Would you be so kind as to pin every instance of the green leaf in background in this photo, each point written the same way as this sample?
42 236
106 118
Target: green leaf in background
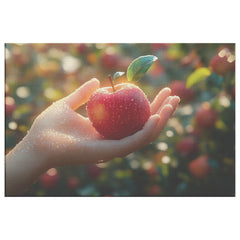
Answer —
139 67
118 75
197 76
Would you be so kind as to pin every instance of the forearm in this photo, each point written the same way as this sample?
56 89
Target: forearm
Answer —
22 167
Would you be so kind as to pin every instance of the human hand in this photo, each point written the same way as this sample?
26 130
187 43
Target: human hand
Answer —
63 137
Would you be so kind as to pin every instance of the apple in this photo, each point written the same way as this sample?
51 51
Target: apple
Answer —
154 190
206 117
223 63
124 62
120 111
82 48
200 167
109 61
158 46
187 146
50 179
10 105
152 171
179 88
73 182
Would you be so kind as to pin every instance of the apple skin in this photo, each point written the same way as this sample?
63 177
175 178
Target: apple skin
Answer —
109 61
200 167
179 89
50 179
206 118
154 190
118 114
82 48
221 66
158 46
187 146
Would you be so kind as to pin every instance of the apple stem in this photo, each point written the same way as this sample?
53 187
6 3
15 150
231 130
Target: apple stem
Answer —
111 81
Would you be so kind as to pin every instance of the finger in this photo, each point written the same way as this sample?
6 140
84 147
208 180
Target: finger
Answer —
166 112
107 149
165 102
174 102
159 99
82 94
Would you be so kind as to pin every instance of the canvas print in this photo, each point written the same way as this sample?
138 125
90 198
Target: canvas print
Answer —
120 119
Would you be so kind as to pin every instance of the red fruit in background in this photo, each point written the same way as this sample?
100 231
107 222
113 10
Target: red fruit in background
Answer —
179 89
154 190
124 62
109 61
118 114
50 179
82 48
152 171
187 146
200 167
223 62
206 117
73 182
159 46
93 170
10 105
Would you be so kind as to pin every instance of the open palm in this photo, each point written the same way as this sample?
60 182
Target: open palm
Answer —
68 138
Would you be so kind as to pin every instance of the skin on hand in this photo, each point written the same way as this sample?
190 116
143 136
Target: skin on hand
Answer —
60 136
64 137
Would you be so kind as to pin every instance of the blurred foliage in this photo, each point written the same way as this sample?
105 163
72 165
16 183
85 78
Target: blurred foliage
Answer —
38 74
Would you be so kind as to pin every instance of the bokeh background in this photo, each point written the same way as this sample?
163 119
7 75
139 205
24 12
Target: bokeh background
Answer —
194 155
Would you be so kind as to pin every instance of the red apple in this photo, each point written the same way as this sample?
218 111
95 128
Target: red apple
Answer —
50 179
187 146
154 190
73 182
206 117
109 61
223 63
179 88
118 113
82 48
158 46
124 62
152 171
10 105
200 167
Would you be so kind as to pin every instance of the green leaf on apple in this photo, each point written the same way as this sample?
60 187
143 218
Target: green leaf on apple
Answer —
197 76
118 75
139 67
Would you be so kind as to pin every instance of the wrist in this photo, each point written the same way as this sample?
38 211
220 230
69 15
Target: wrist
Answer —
37 155
23 167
